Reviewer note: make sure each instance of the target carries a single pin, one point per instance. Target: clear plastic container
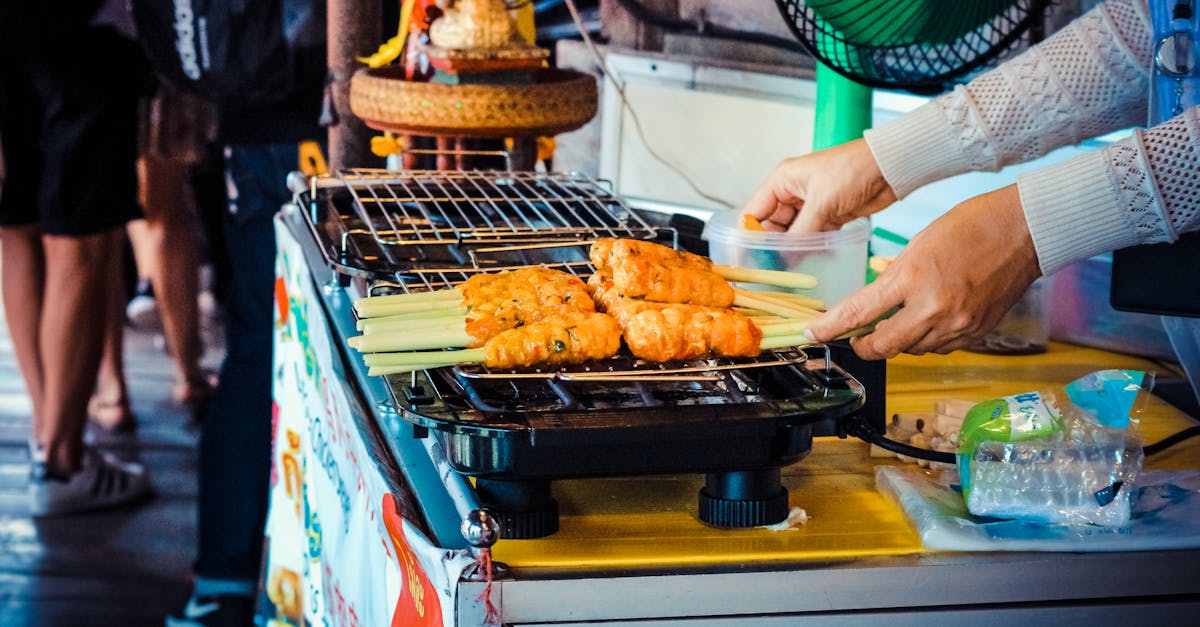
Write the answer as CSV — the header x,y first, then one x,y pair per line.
x,y
837,258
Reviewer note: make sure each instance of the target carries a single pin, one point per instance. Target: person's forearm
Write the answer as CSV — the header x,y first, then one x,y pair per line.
x,y
1139,190
1088,79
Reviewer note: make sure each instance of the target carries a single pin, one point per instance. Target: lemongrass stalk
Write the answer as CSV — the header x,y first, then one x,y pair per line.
x,y
418,318
379,371
782,341
775,298
750,312
428,358
425,325
415,316
426,339
858,332
778,278
803,339
375,309
742,298
785,328
798,299
453,294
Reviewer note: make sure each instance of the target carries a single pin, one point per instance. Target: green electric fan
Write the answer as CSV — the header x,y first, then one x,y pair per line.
x,y
920,46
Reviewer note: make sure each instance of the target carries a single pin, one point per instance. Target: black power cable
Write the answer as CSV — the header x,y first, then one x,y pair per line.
x,y
1171,440
858,427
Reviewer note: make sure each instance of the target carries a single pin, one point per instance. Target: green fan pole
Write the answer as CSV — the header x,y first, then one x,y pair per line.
x,y
843,113
843,109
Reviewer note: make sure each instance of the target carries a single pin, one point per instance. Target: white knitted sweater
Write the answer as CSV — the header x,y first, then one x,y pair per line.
x,y
1090,78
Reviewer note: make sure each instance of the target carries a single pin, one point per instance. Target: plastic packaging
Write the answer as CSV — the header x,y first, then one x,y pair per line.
x,y
837,258
1033,457
1166,515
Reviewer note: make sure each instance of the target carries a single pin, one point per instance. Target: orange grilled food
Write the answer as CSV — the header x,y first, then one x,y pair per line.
x,y
506,300
569,338
573,337
609,251
653,272
664,332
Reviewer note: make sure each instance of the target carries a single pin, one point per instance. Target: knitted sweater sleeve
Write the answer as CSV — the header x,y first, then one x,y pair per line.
x,y
1141,190
1089,78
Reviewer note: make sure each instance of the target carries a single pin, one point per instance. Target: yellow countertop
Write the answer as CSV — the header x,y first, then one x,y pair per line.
x,y
649,523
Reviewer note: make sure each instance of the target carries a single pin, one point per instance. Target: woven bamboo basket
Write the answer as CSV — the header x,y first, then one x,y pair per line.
x,y
555,102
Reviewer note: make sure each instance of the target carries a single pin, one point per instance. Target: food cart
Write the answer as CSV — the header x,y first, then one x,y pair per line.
x,y
458,496
372,524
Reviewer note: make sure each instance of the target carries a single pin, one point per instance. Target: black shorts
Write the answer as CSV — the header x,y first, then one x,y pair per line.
x,y
68,128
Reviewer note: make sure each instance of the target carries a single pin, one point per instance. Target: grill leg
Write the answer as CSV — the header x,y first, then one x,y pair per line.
x,y
743,498
525,509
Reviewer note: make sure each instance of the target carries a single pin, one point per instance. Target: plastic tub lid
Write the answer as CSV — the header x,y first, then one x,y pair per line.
x,y
723,227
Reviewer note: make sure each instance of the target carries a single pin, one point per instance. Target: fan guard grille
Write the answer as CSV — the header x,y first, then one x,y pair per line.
x,y
923,46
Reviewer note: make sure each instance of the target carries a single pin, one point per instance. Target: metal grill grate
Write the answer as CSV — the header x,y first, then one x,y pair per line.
x,y
431,279
393,221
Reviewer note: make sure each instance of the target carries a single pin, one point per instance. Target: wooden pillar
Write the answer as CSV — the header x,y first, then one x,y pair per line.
x,y
355,28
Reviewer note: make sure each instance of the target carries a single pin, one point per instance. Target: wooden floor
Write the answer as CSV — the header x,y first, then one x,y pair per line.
x,y
123,568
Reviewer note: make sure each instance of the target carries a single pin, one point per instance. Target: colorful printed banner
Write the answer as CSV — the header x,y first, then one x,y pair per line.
x,y
338,552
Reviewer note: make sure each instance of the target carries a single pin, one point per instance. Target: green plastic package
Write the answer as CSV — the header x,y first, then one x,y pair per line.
x,y
1008,419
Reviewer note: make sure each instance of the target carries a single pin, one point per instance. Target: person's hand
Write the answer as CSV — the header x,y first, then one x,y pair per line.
x,y
952,283
821,191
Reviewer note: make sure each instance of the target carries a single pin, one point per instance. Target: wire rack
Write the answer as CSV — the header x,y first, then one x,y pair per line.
x,y
381,221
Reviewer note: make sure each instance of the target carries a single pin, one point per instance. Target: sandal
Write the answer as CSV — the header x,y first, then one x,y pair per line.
x,y
112,416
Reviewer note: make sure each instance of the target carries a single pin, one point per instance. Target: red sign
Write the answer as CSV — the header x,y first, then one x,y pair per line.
x,y
418,605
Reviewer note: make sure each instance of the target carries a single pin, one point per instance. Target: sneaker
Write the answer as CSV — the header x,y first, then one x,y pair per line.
x,y
102,482
142,310
225,610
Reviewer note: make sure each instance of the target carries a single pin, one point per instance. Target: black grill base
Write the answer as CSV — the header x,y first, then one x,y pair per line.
x,y
526,509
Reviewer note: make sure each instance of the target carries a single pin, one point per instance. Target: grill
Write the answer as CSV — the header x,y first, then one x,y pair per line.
x,y
737,421
379,222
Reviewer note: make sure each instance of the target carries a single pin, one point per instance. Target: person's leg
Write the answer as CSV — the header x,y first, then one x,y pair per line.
x,y
141,311
79,271
22,264
173,267
110,407
235,444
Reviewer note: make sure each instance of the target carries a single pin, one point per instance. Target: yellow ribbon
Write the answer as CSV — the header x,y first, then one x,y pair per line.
x,y
390,50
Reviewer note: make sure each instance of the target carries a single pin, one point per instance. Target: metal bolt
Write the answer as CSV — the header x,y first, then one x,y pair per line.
x,y
480,528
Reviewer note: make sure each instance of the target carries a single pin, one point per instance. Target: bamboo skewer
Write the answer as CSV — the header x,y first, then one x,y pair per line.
x,y
778,278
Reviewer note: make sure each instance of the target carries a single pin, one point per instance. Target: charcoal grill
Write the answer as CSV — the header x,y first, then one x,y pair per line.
x,y
737,421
